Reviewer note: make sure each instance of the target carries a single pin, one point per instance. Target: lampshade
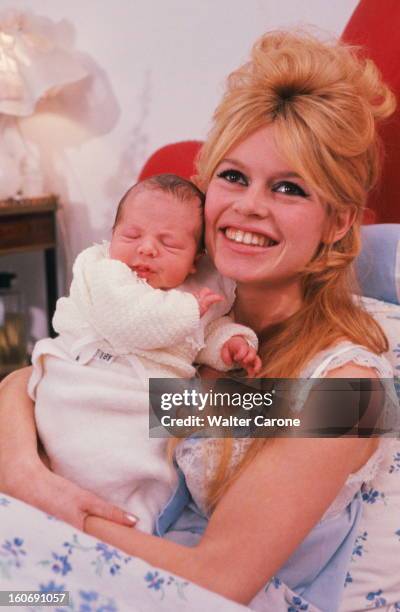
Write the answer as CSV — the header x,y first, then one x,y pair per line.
x,y
36,58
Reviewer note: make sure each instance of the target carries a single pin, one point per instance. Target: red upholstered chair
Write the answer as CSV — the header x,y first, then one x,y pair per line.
x,y
375,26
177,158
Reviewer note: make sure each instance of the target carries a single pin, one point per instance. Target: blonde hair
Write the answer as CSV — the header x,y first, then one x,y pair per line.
x,y
324,101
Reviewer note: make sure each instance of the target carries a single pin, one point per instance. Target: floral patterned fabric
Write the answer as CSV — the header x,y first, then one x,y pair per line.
x,y
373,578
38,552
41,553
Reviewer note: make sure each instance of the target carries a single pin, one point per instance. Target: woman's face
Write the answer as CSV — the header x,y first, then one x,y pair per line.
x,y
263,222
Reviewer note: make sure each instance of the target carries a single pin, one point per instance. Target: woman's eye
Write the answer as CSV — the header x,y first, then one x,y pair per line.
x,y
233,176
289,188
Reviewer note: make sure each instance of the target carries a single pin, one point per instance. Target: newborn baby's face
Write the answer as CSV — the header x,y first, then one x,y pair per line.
x,y
157,237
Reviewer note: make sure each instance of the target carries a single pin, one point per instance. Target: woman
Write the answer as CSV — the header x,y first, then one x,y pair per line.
x,y
286,169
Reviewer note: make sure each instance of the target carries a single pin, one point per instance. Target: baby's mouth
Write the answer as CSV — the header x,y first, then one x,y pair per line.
x,y
142,271
248,238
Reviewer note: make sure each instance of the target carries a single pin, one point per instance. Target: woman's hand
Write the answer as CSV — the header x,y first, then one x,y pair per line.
x,y
63,499
25,476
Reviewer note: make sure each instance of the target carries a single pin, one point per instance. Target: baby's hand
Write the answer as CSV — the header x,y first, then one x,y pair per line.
x,y
237,350
206,298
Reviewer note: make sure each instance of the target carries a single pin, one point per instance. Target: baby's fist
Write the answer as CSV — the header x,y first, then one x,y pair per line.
x,y
238,350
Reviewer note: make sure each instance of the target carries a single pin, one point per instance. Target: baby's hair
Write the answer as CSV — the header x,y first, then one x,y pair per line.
x,y
171,184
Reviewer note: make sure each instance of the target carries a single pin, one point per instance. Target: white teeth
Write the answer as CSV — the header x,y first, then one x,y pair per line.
x,y
248,237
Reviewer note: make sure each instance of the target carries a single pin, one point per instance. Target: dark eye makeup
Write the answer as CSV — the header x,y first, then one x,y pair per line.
x,y
290,189
233,176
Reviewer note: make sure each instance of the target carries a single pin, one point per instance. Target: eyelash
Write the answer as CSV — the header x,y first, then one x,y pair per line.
x,y
293,187
236,176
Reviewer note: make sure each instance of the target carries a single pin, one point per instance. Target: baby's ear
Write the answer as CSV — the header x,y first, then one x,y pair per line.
x,y
198,256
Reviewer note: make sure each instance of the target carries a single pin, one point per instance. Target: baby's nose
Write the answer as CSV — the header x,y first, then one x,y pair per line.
x,y
148,248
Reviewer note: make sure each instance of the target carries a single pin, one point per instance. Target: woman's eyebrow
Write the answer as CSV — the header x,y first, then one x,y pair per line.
x,y
286,174
234,162
276,175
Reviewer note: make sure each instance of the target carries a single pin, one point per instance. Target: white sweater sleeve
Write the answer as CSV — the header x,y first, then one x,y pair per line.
x,y
216,334
126,311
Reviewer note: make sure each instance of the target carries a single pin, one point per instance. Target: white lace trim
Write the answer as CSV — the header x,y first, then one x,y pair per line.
x,y
199,458
345,353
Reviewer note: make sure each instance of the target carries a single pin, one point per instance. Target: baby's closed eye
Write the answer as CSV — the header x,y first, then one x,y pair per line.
x,y
172,243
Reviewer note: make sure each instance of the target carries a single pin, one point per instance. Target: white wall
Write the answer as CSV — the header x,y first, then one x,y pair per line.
x,y
159,68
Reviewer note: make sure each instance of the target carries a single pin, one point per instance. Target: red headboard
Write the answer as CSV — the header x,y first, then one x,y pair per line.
x,y
177,158
375,25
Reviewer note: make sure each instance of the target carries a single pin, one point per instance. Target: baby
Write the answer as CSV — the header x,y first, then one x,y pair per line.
x,y
131,315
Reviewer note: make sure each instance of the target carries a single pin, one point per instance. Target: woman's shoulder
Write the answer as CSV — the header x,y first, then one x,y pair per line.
x,y
349,359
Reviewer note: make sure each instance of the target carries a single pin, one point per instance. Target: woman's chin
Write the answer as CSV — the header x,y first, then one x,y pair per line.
x,y
235,270
245,263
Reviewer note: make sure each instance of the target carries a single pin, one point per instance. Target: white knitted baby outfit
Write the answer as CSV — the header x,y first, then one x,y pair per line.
x,y
90,383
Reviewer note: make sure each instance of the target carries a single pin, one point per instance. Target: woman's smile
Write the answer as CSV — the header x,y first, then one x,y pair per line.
x,y
248,236
244,241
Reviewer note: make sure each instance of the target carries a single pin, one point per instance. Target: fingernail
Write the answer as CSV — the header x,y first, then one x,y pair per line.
x,y
132,518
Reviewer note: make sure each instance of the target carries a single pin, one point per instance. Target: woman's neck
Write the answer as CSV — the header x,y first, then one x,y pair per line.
x,y
259,307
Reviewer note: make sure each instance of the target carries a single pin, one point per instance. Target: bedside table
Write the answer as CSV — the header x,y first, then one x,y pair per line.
x,y
30,225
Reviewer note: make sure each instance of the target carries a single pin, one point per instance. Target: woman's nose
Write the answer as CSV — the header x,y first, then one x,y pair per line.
x,y
254,201
148,248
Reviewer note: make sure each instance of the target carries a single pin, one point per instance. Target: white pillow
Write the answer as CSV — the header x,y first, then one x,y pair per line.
x,y
388,317
373,579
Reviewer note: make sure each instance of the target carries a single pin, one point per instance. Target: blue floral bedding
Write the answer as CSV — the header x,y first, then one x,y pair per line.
x,y
40,553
